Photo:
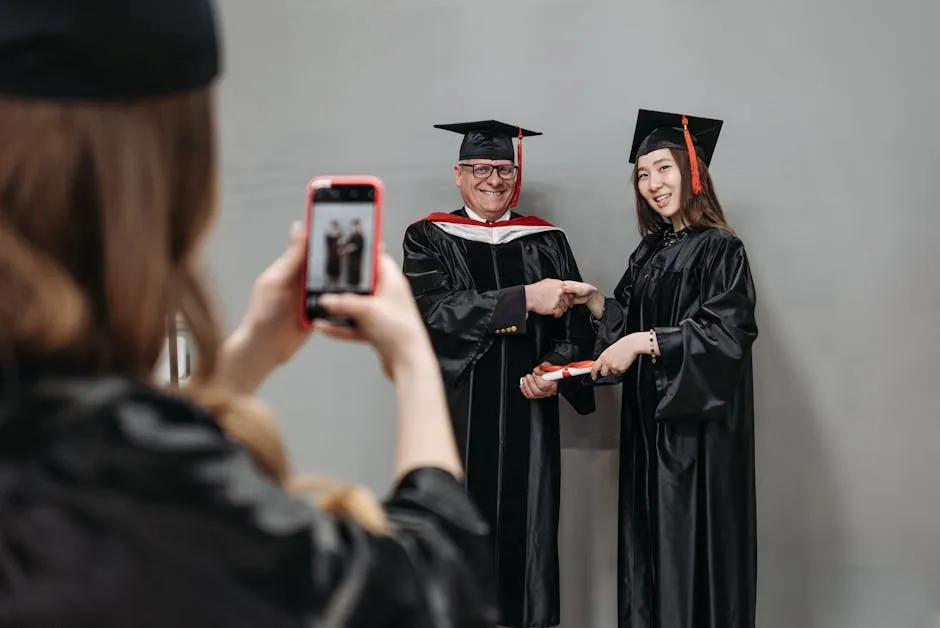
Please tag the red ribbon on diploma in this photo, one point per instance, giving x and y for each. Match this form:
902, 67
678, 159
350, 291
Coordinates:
566, 368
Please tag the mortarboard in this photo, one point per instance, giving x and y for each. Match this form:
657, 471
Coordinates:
487, 139
658, 129
490, 139
106, 50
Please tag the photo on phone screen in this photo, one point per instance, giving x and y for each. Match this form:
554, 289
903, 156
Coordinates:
341, 246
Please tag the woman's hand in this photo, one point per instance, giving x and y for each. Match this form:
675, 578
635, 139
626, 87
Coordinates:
578, 291
586, 294
389, 319
617, 358
271, 331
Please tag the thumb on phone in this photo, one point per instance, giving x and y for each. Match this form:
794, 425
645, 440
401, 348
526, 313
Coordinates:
344, 305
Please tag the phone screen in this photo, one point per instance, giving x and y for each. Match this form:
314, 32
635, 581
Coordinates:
341, 242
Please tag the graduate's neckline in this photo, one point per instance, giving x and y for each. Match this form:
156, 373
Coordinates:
671, 236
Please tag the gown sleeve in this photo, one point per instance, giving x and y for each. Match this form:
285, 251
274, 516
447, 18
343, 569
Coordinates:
702, 357
431, 570
145, 514
461, 322
612, 325
577, 342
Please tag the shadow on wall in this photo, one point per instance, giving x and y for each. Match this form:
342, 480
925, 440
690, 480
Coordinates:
588, 530
808, 572
797, 500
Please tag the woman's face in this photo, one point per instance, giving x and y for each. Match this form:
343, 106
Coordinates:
660, 182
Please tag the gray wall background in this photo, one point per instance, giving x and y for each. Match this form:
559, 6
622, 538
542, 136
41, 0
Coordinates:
826, 168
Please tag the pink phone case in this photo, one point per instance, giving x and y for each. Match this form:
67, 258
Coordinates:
379, 199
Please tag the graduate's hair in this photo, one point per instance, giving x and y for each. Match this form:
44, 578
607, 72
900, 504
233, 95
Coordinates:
103, 213
698, 210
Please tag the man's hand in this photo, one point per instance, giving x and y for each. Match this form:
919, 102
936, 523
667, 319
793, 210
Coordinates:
534, 387
547, 297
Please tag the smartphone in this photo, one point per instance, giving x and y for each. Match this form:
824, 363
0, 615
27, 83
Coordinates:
344, 240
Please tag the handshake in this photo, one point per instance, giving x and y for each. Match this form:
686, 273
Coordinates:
553, 297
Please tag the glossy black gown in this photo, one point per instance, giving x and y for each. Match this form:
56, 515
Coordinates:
122, 507
333, 260
354, 260
688, 545
472, 299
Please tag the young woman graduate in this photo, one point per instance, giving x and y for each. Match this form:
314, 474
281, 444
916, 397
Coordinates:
678, 332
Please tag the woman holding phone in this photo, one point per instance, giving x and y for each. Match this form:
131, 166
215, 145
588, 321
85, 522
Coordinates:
127, 505
678, 331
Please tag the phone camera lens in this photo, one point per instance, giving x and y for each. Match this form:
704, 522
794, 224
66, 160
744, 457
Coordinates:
353, 194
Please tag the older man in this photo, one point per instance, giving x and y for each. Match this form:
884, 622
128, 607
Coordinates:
488, 283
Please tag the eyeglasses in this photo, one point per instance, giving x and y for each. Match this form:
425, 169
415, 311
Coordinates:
482, 171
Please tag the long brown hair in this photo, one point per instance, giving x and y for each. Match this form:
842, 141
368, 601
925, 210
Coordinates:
103, 211
698, 210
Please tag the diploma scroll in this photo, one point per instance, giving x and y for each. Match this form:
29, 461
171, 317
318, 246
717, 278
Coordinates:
565, 371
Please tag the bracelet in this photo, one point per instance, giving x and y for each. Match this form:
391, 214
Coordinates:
596, 322
653, 345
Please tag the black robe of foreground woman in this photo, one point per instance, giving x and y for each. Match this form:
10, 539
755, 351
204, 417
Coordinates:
123, 507
468, 279
687, 544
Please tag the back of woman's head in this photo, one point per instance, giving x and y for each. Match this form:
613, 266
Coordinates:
107, 191
102, 209
698, 210
107, 177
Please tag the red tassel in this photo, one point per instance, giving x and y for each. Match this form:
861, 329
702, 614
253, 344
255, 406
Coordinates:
518, 190
693, 157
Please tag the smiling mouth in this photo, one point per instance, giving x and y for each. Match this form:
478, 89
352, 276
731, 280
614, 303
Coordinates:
662, 199
490, 193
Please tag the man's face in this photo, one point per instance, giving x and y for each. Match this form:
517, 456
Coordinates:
488, 194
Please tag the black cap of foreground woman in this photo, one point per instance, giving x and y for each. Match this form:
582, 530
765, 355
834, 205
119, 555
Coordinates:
106, 50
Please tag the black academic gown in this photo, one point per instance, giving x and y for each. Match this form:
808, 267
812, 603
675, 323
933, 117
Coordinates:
123, 507
333, 261
354, 260
687, 543
468, 280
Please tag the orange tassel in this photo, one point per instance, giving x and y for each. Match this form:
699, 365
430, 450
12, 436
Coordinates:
693, 157
518, 190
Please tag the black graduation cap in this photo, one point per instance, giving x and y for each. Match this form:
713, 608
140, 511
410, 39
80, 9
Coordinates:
487, 139
491, 139
106, 50
660, 129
